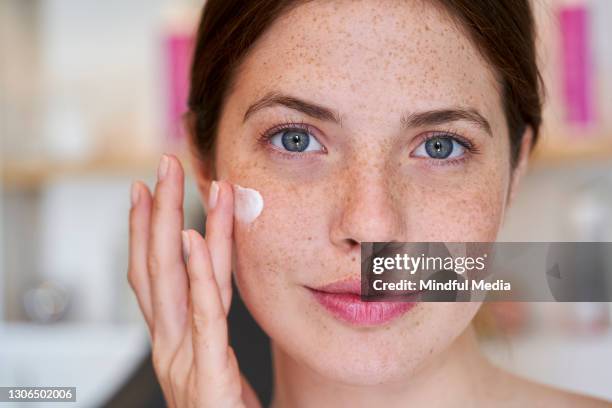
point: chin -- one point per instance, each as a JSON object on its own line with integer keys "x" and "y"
{"x": 364, "y": 369}
{"x": 355, "y": 355}
{"x": 384, "y": 354}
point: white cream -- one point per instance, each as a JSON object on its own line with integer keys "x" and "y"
{"x": 248, "y": 203}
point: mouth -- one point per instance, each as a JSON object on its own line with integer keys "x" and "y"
{"x": 342, "y": 299}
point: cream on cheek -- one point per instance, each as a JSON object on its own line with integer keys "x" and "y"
{"x": 248, "y": 203}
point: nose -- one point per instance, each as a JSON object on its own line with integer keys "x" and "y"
{"x": 367, "y": 211}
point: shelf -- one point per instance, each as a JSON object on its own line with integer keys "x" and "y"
{"x": 563, "y": 150}
{"x": 35, "y": 172}
{"x": 550, "y": 151}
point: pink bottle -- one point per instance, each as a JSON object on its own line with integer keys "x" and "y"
{"x": 178, "y": 49}
{"x": 577, "y": 65}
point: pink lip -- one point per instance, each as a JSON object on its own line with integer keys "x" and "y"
{"x": 343, "y": 300}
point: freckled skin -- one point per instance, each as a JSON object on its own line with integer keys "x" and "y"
{"x": 371, "y": 64}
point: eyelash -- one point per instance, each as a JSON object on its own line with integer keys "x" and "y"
{"x": 464, "y": 142}
{"x": 265, "y": 137}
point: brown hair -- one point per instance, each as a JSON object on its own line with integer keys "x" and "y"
{"x": 502, "y": 30}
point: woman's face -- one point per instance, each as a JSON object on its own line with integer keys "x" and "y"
{"x": 392, "y": 75}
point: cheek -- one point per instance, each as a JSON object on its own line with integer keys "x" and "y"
{"x": 276, "y": 254}
{"x": 275, "y": 250}
{"x": 464, "y": 208}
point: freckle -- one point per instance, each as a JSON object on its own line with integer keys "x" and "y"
{"x": 353, "y": 259}
{"x": 310, "y": 238}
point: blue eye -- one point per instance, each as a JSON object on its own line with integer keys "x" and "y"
{"x": 295, "y": 140}
{"x": 440, "y": 147}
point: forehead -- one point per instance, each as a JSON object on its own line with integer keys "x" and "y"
{"x": 367, "y": 58}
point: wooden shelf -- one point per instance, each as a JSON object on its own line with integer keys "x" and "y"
{"x": 550, "y": 151}
{"x": 35, "y": 172}
{"x": 564, "y": 150}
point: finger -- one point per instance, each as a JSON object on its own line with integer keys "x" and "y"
{"x": 219, "y": 229}
{"x": 166, "y": 265}
{"x": 138, "y": 276}
{"x": 208, "y": 318}
{"x": 181, "y": 367}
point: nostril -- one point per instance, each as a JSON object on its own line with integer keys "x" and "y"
{"x": 353, "y": 243}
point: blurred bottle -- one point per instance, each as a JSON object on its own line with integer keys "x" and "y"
{"x": 46, "y": 302}
{"x": 591, "y": 221}
{"x": 178, "y": 36}
{"x": 577, "y": 63}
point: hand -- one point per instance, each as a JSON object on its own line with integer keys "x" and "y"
{"x": 185, "y": 302}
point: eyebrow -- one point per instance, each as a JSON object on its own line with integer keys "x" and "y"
{"x": 442, "y": 116}
{"x": 309, "y": 108}
{"x": 408, "y": 120}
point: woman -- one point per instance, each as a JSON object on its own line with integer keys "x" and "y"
{"x": 315, "y": 126}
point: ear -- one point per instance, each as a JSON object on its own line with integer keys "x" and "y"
{"x": 521, "y": 165}
{"x": 202, "y": 164}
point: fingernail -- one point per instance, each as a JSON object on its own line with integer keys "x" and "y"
{"x": 185, "y": 245}
{"x": 213, "y": 195}
{"x": 135, "y": 193}
{"x": 162, "y": 170}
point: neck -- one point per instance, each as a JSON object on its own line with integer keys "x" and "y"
{"x": 460, "y": 373}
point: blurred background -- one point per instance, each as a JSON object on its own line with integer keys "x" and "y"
{"x": 90, "y": 95}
